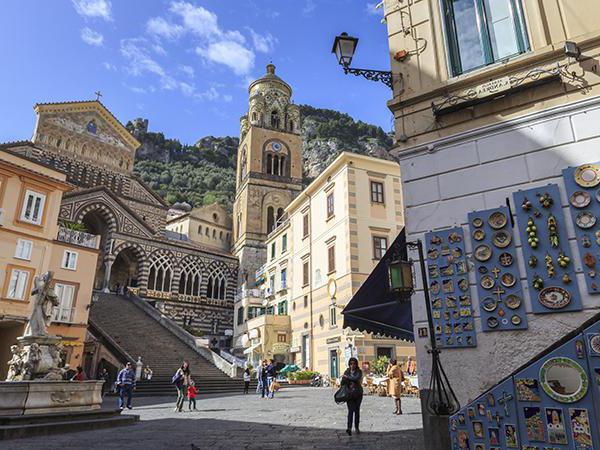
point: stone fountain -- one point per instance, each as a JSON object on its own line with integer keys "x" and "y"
{"x": 34, "y": 384}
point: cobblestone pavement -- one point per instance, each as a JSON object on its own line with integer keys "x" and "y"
{"x": 298, "y": 418}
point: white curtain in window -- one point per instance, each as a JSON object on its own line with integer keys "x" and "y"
{"x": 17, "y": 284}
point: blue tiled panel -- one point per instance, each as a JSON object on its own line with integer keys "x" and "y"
{"x": 591, "y": 336}
{"x": 588, "y": 239}
{"x": 501, "y": 269}
{"x": 490, "y": 420}
{"x": 452, "y": 308}
{"x": 540, "y": 216}
{"x": 547, "y": 422}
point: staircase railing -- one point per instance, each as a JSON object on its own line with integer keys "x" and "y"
{"x": 219, "y": 362}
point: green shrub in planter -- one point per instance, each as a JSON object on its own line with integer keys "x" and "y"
{"x": 302, "y": 375}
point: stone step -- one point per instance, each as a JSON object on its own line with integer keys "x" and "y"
{"x": 42, "y": 424}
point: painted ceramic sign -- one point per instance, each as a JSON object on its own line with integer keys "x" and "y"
{"x": 451, "y": 301}
{"x": 583, "y": 190}
{"x": 501, "y": 299}
{"x": 550, "y": 270}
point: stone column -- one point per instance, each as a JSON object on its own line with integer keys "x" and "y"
{"x": 107, "y": 271}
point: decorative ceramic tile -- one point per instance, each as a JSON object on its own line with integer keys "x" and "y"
{"x": 449, "y": 290}
{"x": 501, "y": 300}
{"x": 550, "y": 269}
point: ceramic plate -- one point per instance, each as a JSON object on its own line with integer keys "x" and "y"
{"x": 512, "y": 301}
{"x": 477, "y": 222}
{"x": 506, "y": 259}
{"x": 508, "y": 280}
{"x": 516, "y": 320}
{"x": 489, "y": 304}
{"x": 479, "y": 235}
{"x": 433, "y": 254}
{"x": 482, "y": 253}
{"x": 594, "y": 342}
{"x": 501, "y": 239}
{"x": 497, "y": 220}
{"x": 554, "y": 297}
{"x": 587, "y": 175}
{"x": 585, "y": 220}
{"x": 487, "y": 282}
{"x": 580, "y": 199}
{"x": 483, "y": 269}
{"x": 492, "y": 322}
{"x": 463, "y": 284}
{"x": 598, "y": 195}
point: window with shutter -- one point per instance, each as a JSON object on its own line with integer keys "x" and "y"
{"x": 331, "y": 259}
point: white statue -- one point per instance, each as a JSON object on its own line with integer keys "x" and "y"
{"x": 16, "y": 365}
{"x": 45, "y": 301}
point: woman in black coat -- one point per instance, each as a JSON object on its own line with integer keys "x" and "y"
{"x": 352, "y": 378}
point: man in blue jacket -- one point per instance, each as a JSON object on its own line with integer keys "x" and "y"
{"x": 271, "y": 373}
{"x": 126, "y": 384}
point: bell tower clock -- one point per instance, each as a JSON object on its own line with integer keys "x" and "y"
{"x": 269, "y": 169}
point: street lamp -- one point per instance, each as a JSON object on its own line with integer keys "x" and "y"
{"x": 344, "y": 47}
{"x": 441, "y": 399}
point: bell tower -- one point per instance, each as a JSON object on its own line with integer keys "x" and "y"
{"x": 269, "y": 169}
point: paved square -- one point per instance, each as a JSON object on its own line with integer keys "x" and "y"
{"x": 298, "y": 418}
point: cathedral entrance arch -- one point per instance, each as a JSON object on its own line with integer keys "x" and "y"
{"x": 100, "y": 220}
{"x": 127, "y": 267}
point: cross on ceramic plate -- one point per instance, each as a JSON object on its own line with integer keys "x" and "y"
{"x": 495, "y": 271}
{"x": 499, "y": 291}
{"x": 506, "y": 397}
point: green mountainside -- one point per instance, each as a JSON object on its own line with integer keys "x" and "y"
{"x": 203, "y": 173}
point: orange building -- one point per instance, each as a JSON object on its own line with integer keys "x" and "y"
{"x": 33, "y": 242}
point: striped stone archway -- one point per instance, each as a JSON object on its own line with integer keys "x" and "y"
{"x": 142, "y": 262}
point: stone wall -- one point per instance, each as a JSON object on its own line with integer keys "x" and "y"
{"x": 481, "y": 170}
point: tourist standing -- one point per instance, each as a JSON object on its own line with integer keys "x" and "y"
{"x": 411, "y": 366}
{"x": 181, "y": 380}
{"x": 246, "y": 380}
{"x": 352, "y": 378}
{"x": 271, "y": 373}
{"x": 126, "y": 384}
{"x": 262, "y": 379}
{"x": 395, "y": 378}
{"x": 105, "y": 377}
{"x": 192, "y": 392}
{"x": 79, "y": 375}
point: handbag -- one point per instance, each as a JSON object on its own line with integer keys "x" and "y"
{"x": 341, "y": 395}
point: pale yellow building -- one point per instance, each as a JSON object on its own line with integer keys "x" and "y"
{"x": 208, "y": 225}
{"x": 31, "y": 243}
{"x": 324, "y": 246}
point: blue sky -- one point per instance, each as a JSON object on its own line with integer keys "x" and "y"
{"x": 184, "y": 64}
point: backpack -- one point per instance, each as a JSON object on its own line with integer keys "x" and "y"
{"x": 177, "y": 378}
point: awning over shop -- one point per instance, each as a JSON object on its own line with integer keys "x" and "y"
{"x": 374, "y": 308}
{"x": 250, "y": 349}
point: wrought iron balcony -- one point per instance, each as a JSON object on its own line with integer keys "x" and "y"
{"x": 77, "y": 238}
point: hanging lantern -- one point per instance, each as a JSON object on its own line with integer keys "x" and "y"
{"x": 401, "y": 279}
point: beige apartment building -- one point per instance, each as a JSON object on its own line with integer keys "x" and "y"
{"x": 31, "y": 243}
{"x": 322, "y": 249}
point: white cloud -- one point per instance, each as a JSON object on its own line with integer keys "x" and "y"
{"x": 138, "y": 58}
{"x": 263, "y": 44}
{"x": 159, "y": 49}
{"x": 196, "y": 19}
{"x": 227, "y": 98}
{"x": 92, "y": 37}
{"x": 372, "y": 10}
{"x": 188, "y": 70}
{"x": 109, "y": 66}
{"x": 93, "y": 8}
{"x": 158, "y": 26}
{"x": 309, "y": 7}
{"x": 137, "y": 90}
{"x": 229, "y": 53}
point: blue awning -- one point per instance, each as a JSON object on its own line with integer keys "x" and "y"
{"x": 374, "y": 308}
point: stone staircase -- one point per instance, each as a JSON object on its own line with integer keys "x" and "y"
{"x": 139, "y": 333}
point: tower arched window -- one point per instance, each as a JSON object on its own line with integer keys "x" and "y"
{"x": 275, "y": 119}
{"x": 191, "y": 277}
{"x": 244, "y": 164}
{"x": 217, "y": 284}
{"x": 275, "y": 170}
{"x": 199, "y": 229}
{"x": 254, "y": 116}
{"x": 269, "y": 163}
{"x": 161, "y": 273}
{"x": 270, "y": 219}
{"x": 58, "y": 142}
{"x": 291, "y": 125}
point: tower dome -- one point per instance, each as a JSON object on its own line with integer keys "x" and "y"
{"x": 270, "y": 82}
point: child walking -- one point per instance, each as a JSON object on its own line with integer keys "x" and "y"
{"x": 192, "y": 392}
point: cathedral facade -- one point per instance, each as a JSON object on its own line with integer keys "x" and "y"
{"x": 192, "y": 283}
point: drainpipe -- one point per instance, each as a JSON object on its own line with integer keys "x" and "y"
{"x": 310, "y": 283}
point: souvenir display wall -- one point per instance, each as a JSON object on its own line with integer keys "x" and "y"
{"x": 451, "y": 302}
{"x": 551, "y": 404}
{"x": 501, "y": 301}
{"x": 583, "y": 191}
{"x": 550, "y": 270}
{"x": 489, "y": 422}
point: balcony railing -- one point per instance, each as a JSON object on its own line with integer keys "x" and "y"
{"x": 77, "y": 237}
{"x": 248, "y": 293}
{"x": 64, "y": 315}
